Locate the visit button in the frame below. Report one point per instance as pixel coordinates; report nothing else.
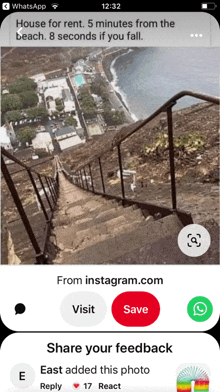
(135, 309)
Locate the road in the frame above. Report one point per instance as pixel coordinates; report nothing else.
(81, 118)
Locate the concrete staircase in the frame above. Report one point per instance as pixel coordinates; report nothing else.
(92, 230)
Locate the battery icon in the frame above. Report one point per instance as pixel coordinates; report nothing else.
(208, 6)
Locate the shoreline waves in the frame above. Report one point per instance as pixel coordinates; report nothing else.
(145, 78)
(108, 67)
(122, 96)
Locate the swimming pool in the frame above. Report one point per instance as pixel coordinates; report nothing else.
(79, 80)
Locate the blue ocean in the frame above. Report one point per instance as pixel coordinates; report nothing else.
(147, 77)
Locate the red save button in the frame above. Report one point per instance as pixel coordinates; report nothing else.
(135, 309)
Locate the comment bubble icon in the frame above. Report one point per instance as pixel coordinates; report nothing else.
(19, 308)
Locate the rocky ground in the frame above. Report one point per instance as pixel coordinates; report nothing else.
(197, 174)
(26, 62)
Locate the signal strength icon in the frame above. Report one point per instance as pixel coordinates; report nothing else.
(54, 5)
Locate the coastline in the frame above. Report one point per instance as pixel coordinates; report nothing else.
(108, 66)
(109, 58)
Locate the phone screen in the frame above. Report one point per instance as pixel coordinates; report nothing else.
(109, 197)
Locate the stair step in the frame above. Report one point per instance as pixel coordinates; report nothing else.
(80, 214)
(72, 237)
(90, 229)
(108, 215)
(109, 250)
(88, 204)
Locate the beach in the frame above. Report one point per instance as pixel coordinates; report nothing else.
(108, 62)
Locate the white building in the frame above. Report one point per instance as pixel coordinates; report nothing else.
(69, 104)
(4, 139)
(57, 89)
(43, 141)
(38, 78)
(70, 142)
(67, 137)
(53, 93)
(50, 83)
(79, 66)
(51, 106)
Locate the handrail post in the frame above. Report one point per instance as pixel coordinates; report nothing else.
(57, 180)
(85, 179)
(90, 173)
(100, 167)
(171, 154)
(50, 188)
(20, 208)
(121, 172)
(82, 179)
(38, 195)
(46, 195)
(77, 179)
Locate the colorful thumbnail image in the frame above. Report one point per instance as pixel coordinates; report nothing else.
(192, 379)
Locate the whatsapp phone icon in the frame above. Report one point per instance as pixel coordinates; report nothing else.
(199, 309)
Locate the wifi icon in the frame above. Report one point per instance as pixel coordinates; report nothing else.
(54, 5)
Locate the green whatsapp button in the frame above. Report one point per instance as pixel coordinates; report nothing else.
(199, 309)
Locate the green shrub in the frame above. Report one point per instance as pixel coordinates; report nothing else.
(188, 142)
(26, 134)
(23, 84)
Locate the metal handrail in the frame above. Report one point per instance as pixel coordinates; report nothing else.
(169, 103)
(118, 139)
(53, 187)
(78, 178)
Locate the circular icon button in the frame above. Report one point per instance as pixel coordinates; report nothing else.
(199, 309)
(194, 240)
(22, 375)
(135, 309)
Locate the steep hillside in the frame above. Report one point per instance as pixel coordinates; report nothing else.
(21, 62)
(196, 137)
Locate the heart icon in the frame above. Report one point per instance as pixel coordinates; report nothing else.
(76, 385)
